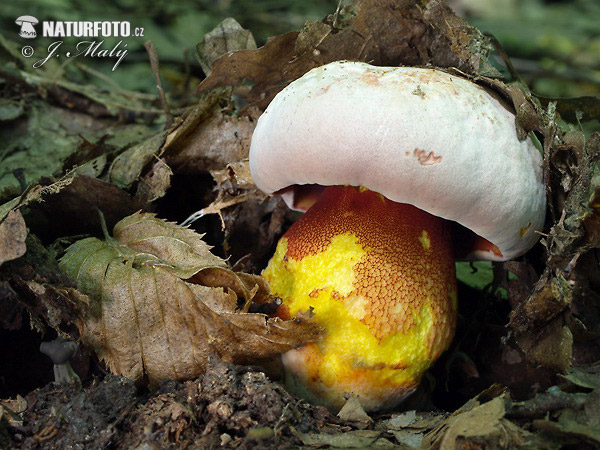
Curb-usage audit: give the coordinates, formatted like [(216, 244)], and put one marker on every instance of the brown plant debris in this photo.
[(12, 237), (381, 32), (161, 303)]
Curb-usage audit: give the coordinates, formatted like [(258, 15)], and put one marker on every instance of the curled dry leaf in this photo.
[(155, 183), (226, 37), (381, 32), (538, 324), (161, 303), (12, 236), (482, 426)]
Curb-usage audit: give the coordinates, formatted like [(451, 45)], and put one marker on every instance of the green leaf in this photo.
[(477, 274)]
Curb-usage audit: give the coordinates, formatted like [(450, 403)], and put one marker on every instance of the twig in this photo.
[(545, 403), (154, 65)]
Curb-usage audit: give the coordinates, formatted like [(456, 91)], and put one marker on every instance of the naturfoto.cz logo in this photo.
[(86, 28), (78, 29)]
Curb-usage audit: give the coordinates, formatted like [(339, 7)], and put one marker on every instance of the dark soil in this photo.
[(229, 407)]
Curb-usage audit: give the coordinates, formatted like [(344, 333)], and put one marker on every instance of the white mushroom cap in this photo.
[(417, 136)]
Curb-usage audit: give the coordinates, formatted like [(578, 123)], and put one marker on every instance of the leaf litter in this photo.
[(554, 323), (161, 303)]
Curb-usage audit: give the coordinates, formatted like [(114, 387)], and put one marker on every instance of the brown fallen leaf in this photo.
[(209, 137), (352, 411), (539, 327), (149, 318), (74, 209), (12, 237), (381, 32), (226, 37), (35, 194), (127, 167), (575, 426), (348, 439), (155, 183), (152, 241), (483, 426)]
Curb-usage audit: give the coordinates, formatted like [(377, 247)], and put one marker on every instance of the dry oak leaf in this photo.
[(13, 233), (380, 32), (161, 303)]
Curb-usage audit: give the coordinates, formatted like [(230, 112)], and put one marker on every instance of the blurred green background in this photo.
[(174, 27), (554, 45)]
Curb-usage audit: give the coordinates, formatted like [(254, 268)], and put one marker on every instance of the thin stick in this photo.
[(154, 65)]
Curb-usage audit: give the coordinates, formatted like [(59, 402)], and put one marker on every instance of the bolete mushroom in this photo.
[(388, 161)]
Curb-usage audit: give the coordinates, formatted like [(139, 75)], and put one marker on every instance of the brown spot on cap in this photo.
[(426, 159)]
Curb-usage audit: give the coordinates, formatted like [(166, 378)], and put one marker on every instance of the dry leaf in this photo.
[(35, 195), (127, 167), (352, 411), (236, 175), (74, 210), (484, 426), (400, 421), (588, 378), (578, 427), (156, 242), (226, 37), (154, 184), (550, 298), (349, 439), (553, 348), (146, 321), (381, 32), (209, 138), (49, 306), (538, 325), (12, 237)]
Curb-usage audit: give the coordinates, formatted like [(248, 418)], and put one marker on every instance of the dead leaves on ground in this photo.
[(381, 32), (551, 420), (161, 303)]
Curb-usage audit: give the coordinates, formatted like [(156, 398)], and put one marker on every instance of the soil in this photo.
[(229, 407)]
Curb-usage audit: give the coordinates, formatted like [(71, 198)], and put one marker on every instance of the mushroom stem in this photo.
[(60, 351), (64, 374), (380, 278)]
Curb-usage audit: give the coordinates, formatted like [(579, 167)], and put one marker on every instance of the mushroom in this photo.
[(27, 23), (60, 352), (389, 162)]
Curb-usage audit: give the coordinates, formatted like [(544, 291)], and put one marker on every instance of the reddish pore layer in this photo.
[(466, 242), (388, 305)]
